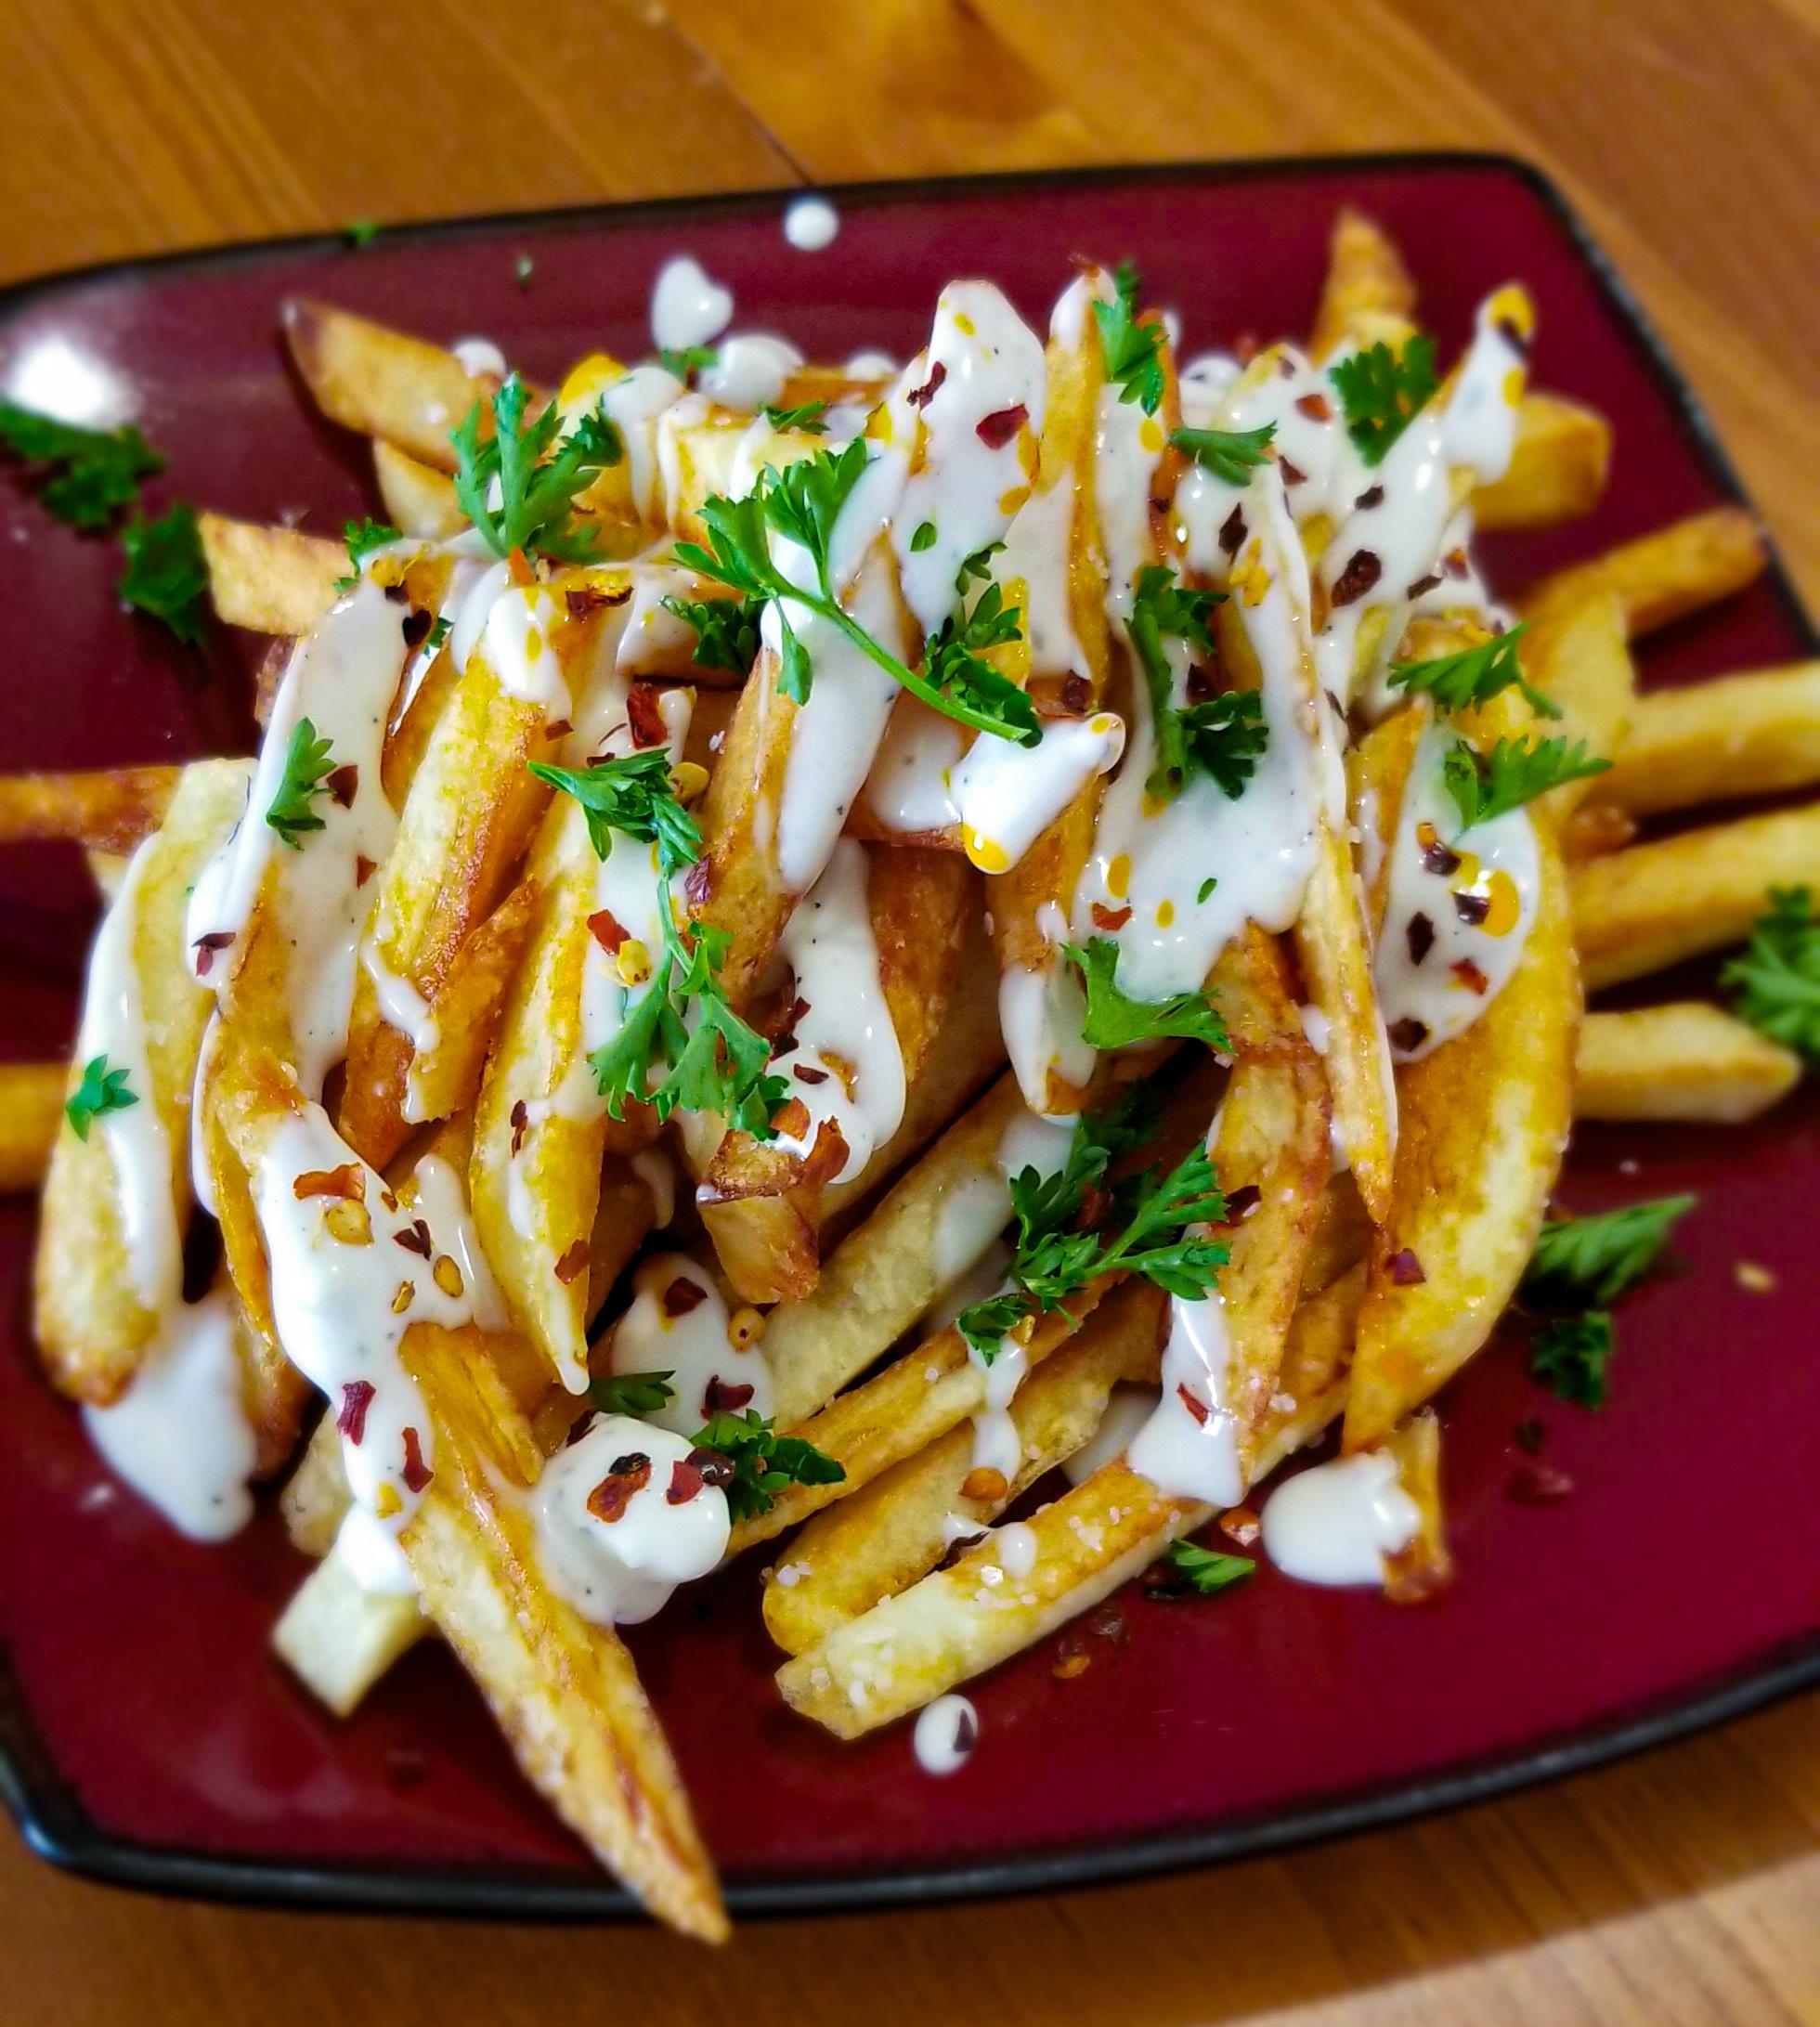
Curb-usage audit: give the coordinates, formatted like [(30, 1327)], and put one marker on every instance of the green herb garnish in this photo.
[(631, 1393), (538, 476), (1474, 676), (807, 418), (1221, 738), (167, 576), (1116, 1021), (1382, 391), (309, 762), (1776, 979), (685, 361), (1229, 454), (360, 232), (1131, 347), (1515, 771), (1572, 1355), (726, 630), (1189, 1568), (86, 476), (363, 537), (101, 1090), (764, 1462), (634, 795), (1595, 1259)]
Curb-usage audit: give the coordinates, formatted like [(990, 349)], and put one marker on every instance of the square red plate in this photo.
[(148, 1737)]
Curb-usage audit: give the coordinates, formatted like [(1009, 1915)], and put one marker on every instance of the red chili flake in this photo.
[(1518, 341), (1472, 908), (716, 1467), (1233, 531), (685, 1481), (1245, 347), (417, 1472), (924, 395), (364, 868), (1470, 976), (645, 719), (558, 728), (1293, 473), (1202, 683), (348, 1182), (351, 1420), (625, 1476), (1421, 933), (682, 1296), (521, 1122), (398, 594), (957, 1548), (792, 1120), (415, 1237), (1241, 1203), (1076, 695), (698, 884), (415, 626), (996, 430), (1195, 1407), (1109, 918), (1364, 570), (1334, 705), (344, 784), (1372, 497), (206, 948), (785, 1040), (1096, 1201), (808, 1073), (1440, 859), (722, 1397), (1317, 408), (587, 598), (1422, 585), (1285, 366), (1241, 1525), (1408, 1035), (1108, 1624), (1455, 563), (607, 931), (966, 1728), (1533, 1483), (574, 1261), (1405, 1270), (1529, 1433)]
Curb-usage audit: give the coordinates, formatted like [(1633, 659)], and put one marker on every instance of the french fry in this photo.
[(565, 1691), (419, 500), (314, 1499), (339, 1638), (445, 1076), (1557, 470), (1653, 905), (1665, 575), (1595, 829), (1368, 294), (1738, 735), (1686, 1061), (1580, 657), (109, 810), (31, 1113), (1416, 1573), (382, 383), (270, 579)]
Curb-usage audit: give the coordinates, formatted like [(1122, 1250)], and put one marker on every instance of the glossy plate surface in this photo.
[(147, 1735)]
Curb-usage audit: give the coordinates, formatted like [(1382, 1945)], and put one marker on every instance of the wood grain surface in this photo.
[(1684, 1887)]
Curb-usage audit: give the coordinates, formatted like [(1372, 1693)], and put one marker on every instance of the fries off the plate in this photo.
[(809, 946)]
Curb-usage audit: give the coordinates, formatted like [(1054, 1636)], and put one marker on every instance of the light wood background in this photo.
[(1681, 1888)]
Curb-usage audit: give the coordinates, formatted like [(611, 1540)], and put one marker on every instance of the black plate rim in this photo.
[(51, 1817)]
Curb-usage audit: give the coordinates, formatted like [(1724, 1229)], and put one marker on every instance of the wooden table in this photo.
[(1682, 1887)]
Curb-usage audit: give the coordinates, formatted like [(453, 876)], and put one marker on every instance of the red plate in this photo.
[(148, 1737)]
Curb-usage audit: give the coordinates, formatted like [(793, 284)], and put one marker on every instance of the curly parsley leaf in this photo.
[(765, 1463), (1572, 1355), (1776, 979), (360, 232), (1225, 738), (1163, 609), (1188, 1568), (726, 630), (309, 762), (536, 476), (924, 536), (808, 418), (631, 1393), (1475, 676), (685, 361), (1229, 454), (1595, 1259), (1382, 391), (167, 576), (1515, 771), (633, 794), (86, 476), (1116, 1021), (1131, 347), (363, 536), (954, 661), (101, 1090)]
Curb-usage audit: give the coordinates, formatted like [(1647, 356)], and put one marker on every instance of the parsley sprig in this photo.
[(631, 1393), (1382, 391), (633, 794), (1116, 1021), (101, 1090), (765, 1463), (726, 630), (1187, 1567), (1515, 771), (86, 476), (1131, 347), (363, 536), (1776, 979), (1229, 454), (1474, 675), (537, 475), (808, 418), (1596, 1259), (1572, 1355), (309, 762), (167, 576), (801, 503), (686, 360), (1223, 736)]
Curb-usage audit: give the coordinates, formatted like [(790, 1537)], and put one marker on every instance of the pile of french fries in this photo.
[(892, 1580)]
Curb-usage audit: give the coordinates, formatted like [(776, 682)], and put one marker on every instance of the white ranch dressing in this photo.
[(1041, 1011), (810, 224), (688, 307), (909, 787), (1037, 554), (1336, 1523), (478, 356), (373, 1557), (635, 406), (677, 1323), (750, 370), (945, 1734), (1006, 796), (519, 644), (1189, 1446), (1127, 1410), (618, 1562)]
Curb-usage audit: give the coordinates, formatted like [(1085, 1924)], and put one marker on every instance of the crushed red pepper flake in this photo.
[(1241, 1203), (364, 868), (645, 717), (1405, 1270), (344, 783), (997, 429), (808, 1073), (685, 1482), (1240, 1524), (1293, 473), (415, 625), (521, 1123), (625, 1477), (1423, 584), (1470, 976), (723, 1396), (1233, 531), (921, 397), (1372, 497), (1192, 1402), (1363, 569), (607, 931), (1109, 1624), (206, 948), (351, 1417), (1472, 908), (348, 1182), (1421, 935), (682, 1296), (1456, 563), (1109, 918), (415, 1237), (1073, 1657), (417, 1473), (958, 1547), (1437, 858), (1076, 695), (574, 1262), (1318, 408), (1408, 1035)]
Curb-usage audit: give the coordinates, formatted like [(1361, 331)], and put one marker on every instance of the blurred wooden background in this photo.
[(1684, 1887)]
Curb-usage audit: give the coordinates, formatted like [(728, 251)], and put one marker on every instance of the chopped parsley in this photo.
[(923, 539), (101, 1090), (1596, 1259), (1474, 676), (633, 795), (726, 630), (1571, 1356), (765, 1463), (1515, 771), (437, 635), (538, 477), (1382, 391), (1222, 737), (86, 476), (166, 575), (1115, 1021), (360, 232), (1187, 1567), (1774, 982), (363, 537), (309, 762), (631, 1393), (807, 418), (685, 361), (1131, 347), (1229, 454), (524, 267)]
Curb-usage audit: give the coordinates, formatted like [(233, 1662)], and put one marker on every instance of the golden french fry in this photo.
[(419, 500), (1738, 735), (1579, 656), (1651, 906), (339, 1638), (1686, 1062), (270, 579), (1664, 575), (1597, 828), (31, 1113), (1414, 1574), (1557, 469), (1368, 294), (563, 1691), (314, 1499), (445, 1074), (109, 809)]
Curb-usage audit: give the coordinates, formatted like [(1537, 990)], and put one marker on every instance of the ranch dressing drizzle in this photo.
[(1007, 796), (677, 1323), (636, 406), (687, 307), (1336, 1523), (909, 787), (750, 370), (1460, 909), (847, 1068), (945, 1734), (810, 224), (1037, 554), (623, 1517), (1189, 1446), (342, 678)]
